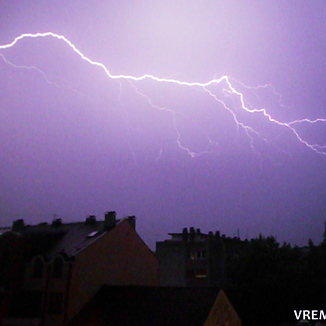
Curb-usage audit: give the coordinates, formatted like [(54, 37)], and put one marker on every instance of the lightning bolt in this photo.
[(224, 82), (26, 67)]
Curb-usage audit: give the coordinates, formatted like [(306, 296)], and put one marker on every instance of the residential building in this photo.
[(59, 267), (194, 258)]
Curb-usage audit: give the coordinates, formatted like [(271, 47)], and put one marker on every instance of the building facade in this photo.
[(62, 266), (195, 259)]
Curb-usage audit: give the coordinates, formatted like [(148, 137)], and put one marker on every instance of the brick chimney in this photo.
[(132, 221), (18, 225), (90, 220), (56, 222), (185, 234), (217, 235), (192, 234), (110, 220)]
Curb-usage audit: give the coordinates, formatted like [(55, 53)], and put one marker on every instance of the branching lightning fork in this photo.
[(250, 131)]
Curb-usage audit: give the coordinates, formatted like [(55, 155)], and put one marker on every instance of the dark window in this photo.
[(55, 303), (201, 273), (190, 273), (38, 268), (202, 254), (58, 268)]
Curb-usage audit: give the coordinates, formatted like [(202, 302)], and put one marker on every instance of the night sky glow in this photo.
[(209, 115)]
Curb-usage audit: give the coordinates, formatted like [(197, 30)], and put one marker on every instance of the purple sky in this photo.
[(76, 142)]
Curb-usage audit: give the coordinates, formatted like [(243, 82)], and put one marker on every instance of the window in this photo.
[(93, 234), (55, 303), (38, 268), (193, 255), (58, 268), (196, 255), (201, 273), (201, 254), (190, 273)]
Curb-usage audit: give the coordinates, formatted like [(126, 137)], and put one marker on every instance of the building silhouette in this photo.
[(192, 258), (158, 306), (49, 272)]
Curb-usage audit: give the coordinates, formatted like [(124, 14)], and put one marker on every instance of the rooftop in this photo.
[(64, 238), (148, 306)]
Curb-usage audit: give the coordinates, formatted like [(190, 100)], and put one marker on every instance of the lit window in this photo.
[(196, 255), (201, 273)]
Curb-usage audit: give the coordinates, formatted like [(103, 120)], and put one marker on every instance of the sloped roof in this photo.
[(137, 305), (66, 239)]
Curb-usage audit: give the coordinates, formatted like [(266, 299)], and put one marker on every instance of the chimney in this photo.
[(110, 220), (132, 221), (56, 222), (90, 220), (18, 225), (185, 234), (192, 234), (217, 235)]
